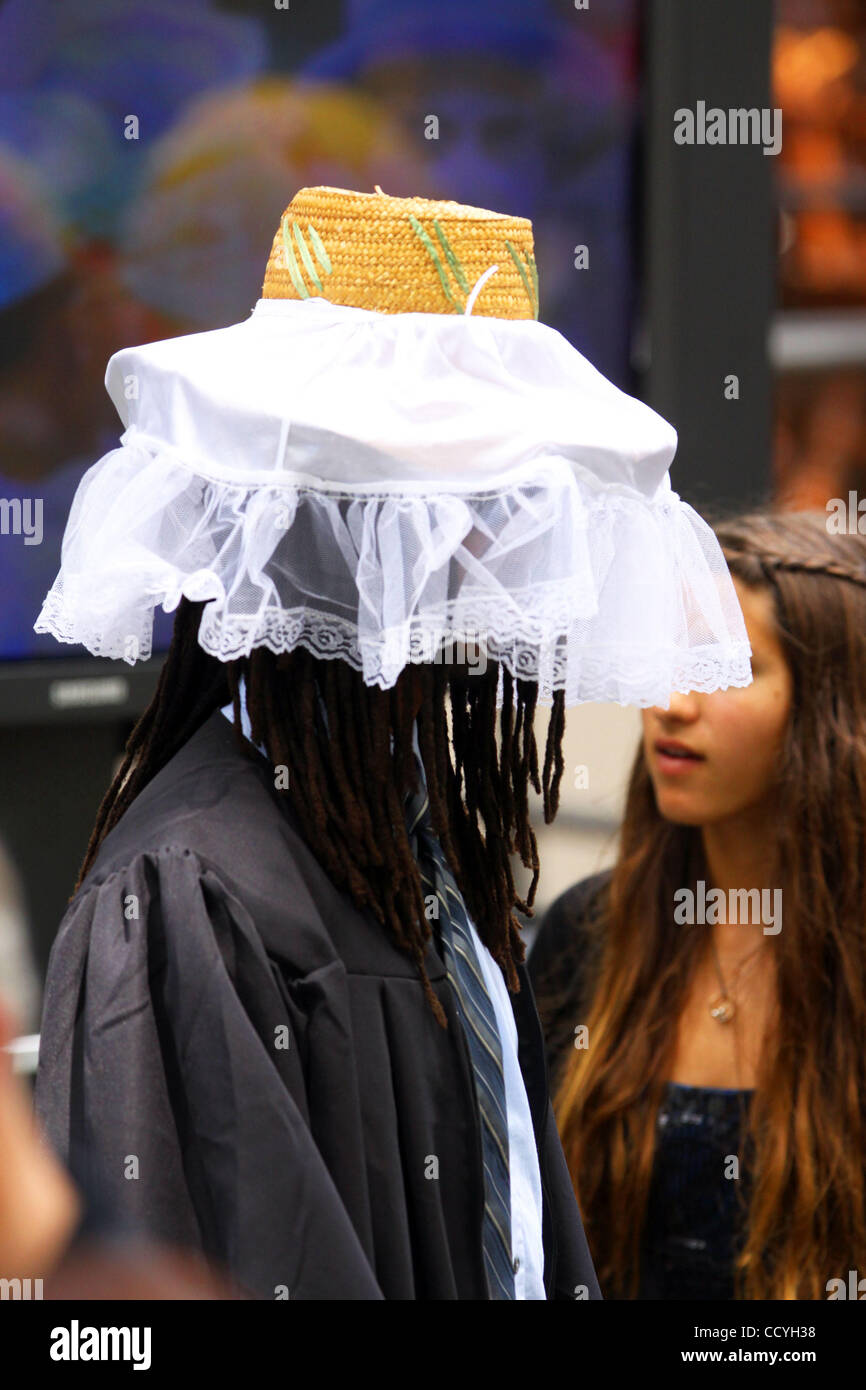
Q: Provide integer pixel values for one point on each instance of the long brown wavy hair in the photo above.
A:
(805, 1139)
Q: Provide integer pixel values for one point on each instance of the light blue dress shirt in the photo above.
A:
(526, 1208)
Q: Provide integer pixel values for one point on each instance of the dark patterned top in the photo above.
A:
(693, 1224)
(693, 1211)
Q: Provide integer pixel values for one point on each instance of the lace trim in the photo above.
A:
(591, 673)
(556, 592)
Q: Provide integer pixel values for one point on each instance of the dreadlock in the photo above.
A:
(348, 747)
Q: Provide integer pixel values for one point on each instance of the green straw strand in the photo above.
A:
(306, 257)
(319, 248)
(518, 262)
(456, 267)
(534, 268)
(294, 269)
(434, 256)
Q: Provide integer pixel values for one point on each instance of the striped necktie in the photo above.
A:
(479, 1024)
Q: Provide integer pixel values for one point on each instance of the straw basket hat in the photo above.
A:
(403, 256)
(392, 452)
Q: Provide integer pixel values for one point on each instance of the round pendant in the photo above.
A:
(722, 1009)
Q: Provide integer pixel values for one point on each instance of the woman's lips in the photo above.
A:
(674, 758)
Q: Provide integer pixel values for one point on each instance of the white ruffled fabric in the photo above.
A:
(373, 486)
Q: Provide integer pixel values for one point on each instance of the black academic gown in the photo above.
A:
(250, 1065)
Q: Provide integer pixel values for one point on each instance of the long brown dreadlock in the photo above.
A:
(348, 782)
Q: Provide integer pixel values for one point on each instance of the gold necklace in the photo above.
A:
(722, 1007)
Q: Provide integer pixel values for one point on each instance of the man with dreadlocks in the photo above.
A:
(287, 1018)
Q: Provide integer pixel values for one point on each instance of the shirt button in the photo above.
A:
(516, 1265)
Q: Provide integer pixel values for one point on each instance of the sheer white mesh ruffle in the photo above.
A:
(602, 594)
(373, 487)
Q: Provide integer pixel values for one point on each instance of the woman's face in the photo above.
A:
(735, 736)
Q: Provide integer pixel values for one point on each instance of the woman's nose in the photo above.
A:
(684, 707)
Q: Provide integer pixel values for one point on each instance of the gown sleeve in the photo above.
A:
(169, 1070)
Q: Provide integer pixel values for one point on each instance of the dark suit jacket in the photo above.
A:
(248, 1065)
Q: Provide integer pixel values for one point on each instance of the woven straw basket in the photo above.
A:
(402, 255)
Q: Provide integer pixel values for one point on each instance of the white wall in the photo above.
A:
(602, 739)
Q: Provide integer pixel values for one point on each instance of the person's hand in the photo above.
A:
(39, 1204)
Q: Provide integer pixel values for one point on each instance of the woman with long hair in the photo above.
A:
(707, 1041)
